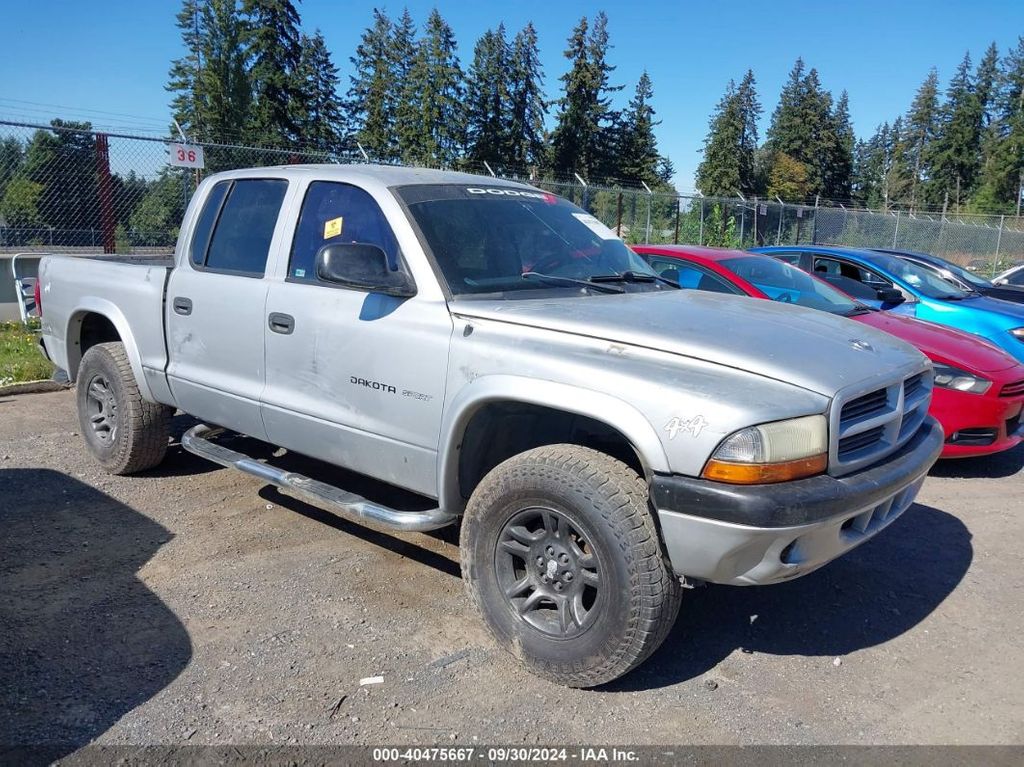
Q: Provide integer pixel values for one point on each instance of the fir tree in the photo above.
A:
(184, 73)
(527, 108)
(585, 122)
(637, 146)
(320, 119)
(839, 141)
(1003, 172)
(224, 87)
(488, 108)
(434, 91)
(922, 124)
(273, 40)
(729, 166)
(370, 107)
(955, 152)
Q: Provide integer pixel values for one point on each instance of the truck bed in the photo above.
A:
(127, 290)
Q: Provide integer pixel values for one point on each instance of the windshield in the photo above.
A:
(785, 283)
(965, 276)
(484, 239)
(922, 280)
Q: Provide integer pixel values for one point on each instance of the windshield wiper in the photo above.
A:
(571, 281)
(631, 276)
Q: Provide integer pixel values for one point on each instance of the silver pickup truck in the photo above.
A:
(603, 437)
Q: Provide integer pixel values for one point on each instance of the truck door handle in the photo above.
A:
(182, 306)
(281, 323)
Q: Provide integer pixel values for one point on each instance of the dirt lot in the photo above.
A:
(193, 604)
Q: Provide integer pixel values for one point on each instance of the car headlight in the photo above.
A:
(949, 377)
(772, 452)
(1018, 333)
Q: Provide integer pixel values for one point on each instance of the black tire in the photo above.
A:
(124, 432)
(560, 511)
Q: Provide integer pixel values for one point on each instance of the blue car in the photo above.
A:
(887, 282)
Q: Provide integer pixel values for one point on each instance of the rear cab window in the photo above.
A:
(236, 226)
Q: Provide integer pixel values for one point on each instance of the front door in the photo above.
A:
(355, 378)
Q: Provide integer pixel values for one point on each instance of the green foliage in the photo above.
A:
(273, 40)
(488, 99)
(63, 164)
(20, 359)
(19, 205)
(729, 166)
(637, 155)
(789, 179)
(319, 115)
(585, 124)
(373, 98)
(527, 107)
(954, 155)
(156, 220)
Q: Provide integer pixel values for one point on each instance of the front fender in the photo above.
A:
(613, 411)
(110, 310)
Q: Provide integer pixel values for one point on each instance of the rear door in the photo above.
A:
(216, 304)
(354, 377)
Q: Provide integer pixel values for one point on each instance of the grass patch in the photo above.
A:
(20, 360)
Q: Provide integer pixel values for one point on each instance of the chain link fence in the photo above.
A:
(63, 189)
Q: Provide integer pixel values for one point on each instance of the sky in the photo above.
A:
(107, 62)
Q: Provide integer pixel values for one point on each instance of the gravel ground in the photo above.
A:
(194, 604)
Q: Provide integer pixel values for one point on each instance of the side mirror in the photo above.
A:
(890, 296)
(1000, 282)
(364, 267)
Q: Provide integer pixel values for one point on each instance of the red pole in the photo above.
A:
(106, 193)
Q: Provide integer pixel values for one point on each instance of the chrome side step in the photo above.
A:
(352, 507)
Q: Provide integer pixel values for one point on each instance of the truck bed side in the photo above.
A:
(90, 300)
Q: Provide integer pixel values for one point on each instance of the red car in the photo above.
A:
(979, 389)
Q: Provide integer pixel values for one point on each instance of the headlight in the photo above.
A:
(949, 377)
(1018, 333)
(771, 452)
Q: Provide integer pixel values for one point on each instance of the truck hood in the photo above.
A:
(809, 348)
(964, 350)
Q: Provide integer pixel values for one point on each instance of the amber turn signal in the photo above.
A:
(764, 473)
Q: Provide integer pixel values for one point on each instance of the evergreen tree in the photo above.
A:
(922, 125)
(184, 73)
(402, 57)
(527, 108)
(273, 39)
(487, 98)
(876, 177)
(580, 142)
(956, 150)
(319, 118)
(729, 166)
(370, 108)
(1003, 171)
(839, 141)
(637, 147)
(224, 91)
(434, 91)
(803, 131)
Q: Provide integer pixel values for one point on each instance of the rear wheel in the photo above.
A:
(124, 432)
(562, 559)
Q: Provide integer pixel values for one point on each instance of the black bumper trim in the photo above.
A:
(802, 501)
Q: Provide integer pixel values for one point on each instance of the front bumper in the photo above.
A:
(978, 424)
(760, 534)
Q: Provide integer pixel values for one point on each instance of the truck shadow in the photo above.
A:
(83, 640)
(873, 594)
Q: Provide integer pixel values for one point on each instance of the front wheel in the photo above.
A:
(124, 432)
(562, 559)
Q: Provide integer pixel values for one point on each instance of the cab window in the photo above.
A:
(334, 213)
(850, 278)
(241, 237)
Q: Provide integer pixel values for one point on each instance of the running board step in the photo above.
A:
(352, 507)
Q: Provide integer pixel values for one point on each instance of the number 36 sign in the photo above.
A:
(185, 155)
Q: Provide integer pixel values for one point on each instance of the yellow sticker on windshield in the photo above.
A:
(332, 228)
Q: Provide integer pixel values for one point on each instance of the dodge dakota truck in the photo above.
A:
(603, 438)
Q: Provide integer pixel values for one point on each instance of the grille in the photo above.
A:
(867, 426)
(868, 405)
(912, 386)
(849, 445)
(1012, 389)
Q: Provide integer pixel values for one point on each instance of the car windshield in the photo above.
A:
(782, 282)
(922, 280)
(485, 239)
